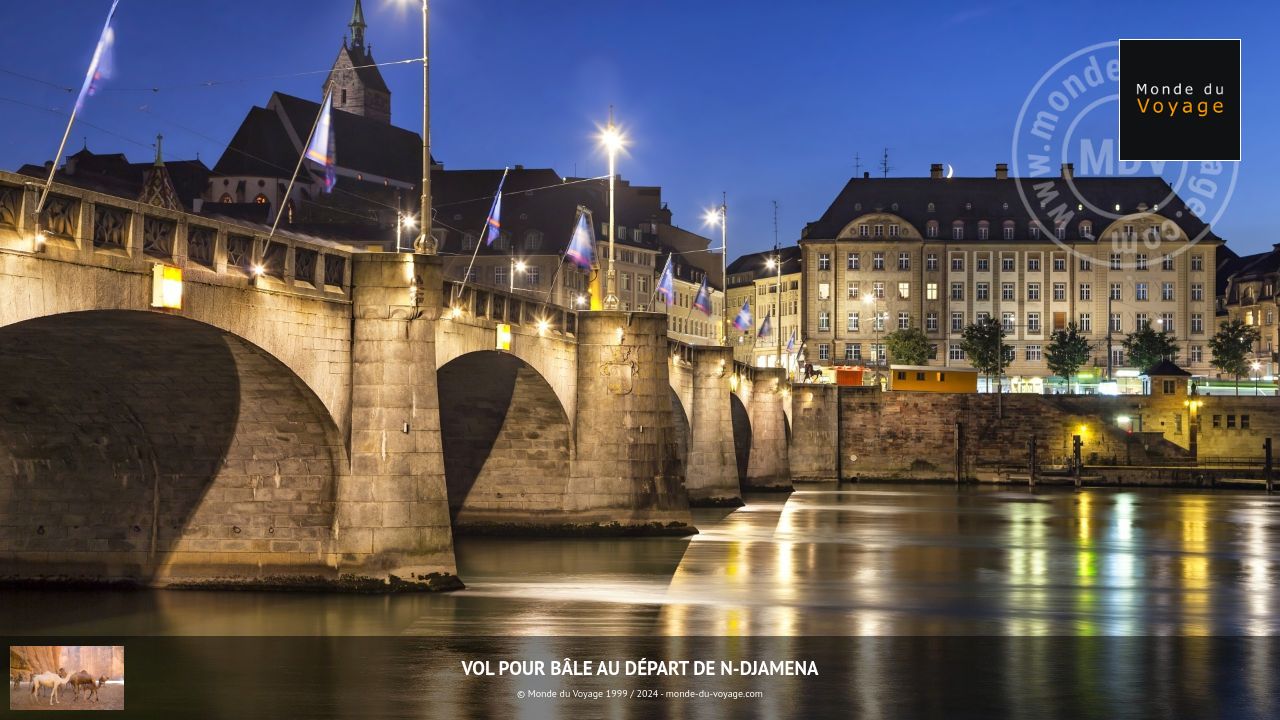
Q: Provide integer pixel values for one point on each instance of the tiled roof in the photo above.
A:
(263, 147)
(113, 174)
(756, 264)
(973, 199)
(538, 200)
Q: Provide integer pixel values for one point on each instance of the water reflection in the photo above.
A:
(827, 560)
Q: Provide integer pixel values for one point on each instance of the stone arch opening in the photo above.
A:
(149, 447)
(507, 441)
(680, 429)
(741, 436)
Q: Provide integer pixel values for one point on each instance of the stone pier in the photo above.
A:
(711, 473)
(626, 474)
(768, 467)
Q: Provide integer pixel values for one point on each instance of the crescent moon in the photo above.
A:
(950, 171)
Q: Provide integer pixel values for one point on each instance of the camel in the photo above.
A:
(83, 680)
(49, 680)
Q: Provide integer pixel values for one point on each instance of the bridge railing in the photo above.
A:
(487, 303)
(93, 228)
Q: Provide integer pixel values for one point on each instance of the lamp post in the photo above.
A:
(516, 266)
(720, 216)
(406, 222)
(611, 138)
(775, 263)
(870, 299)
(1257, 367)
(426, 137)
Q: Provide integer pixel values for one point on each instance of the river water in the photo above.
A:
(1150, 569)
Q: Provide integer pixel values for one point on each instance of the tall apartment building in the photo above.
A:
(753, 280)
(940, 253)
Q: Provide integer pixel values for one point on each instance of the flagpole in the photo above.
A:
(467, 275)
(301, 156)
(75, 110)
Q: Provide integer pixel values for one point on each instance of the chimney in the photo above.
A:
(1002, 171)
(935, 171)
(1068, 170)
(866, 174)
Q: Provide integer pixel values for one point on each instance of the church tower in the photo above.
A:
(357, 84)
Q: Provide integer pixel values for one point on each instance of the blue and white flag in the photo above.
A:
(743, 321)
(702, 301)
(493, 225)
(666, 284)
(766, 327)
(320, 149)
(100, 65)
(582, 248)
(791, 341)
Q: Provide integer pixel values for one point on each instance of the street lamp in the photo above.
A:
(613, 140)
(775, 263)
(870, 299)
(720, 216)
(1257, 367)
(407, 222)
(517, 266)
(422, 244)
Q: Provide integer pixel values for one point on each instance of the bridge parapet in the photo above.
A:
(92, 228)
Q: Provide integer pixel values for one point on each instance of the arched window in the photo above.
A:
(226, 198)
(261, 199)
(1086, 229)
(931, 207)
(984, 230)
(931, 227)
(1007, 229)
(957, 230)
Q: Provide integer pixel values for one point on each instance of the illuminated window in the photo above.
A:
(261, 199)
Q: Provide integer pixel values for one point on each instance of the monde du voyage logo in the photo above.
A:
(1180, 100)
(1177, 103)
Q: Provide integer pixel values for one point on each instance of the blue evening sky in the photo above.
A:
(763, 100)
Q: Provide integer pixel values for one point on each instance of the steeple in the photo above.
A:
(357, 26)
(157, 186)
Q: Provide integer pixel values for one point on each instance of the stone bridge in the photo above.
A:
(316, 414)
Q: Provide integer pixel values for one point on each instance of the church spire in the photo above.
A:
(357, 26)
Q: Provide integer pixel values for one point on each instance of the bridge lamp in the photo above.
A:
(503, 341)
(39, 239)
(543, 326)
(166, 287)
(580, 301)
(410, 222)
(613, 141)
(258, 270)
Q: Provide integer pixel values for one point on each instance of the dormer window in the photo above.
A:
(931, 227)
(984, 230)
(957, 230)
(1086, 229)
(931, 207)
(1007, 230)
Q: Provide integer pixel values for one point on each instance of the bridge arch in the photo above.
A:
(145, 446)
(507, 440)
(741, 435)
(309, 334)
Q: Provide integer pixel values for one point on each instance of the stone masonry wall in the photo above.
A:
(711, 473)
(625, 470)
(138, 446)
(506, 441)
(768, 468)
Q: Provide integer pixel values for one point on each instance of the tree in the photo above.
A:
(983, 344)
(1147, 347)
(1231, 346)
(907, 347)
(1066, 352)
